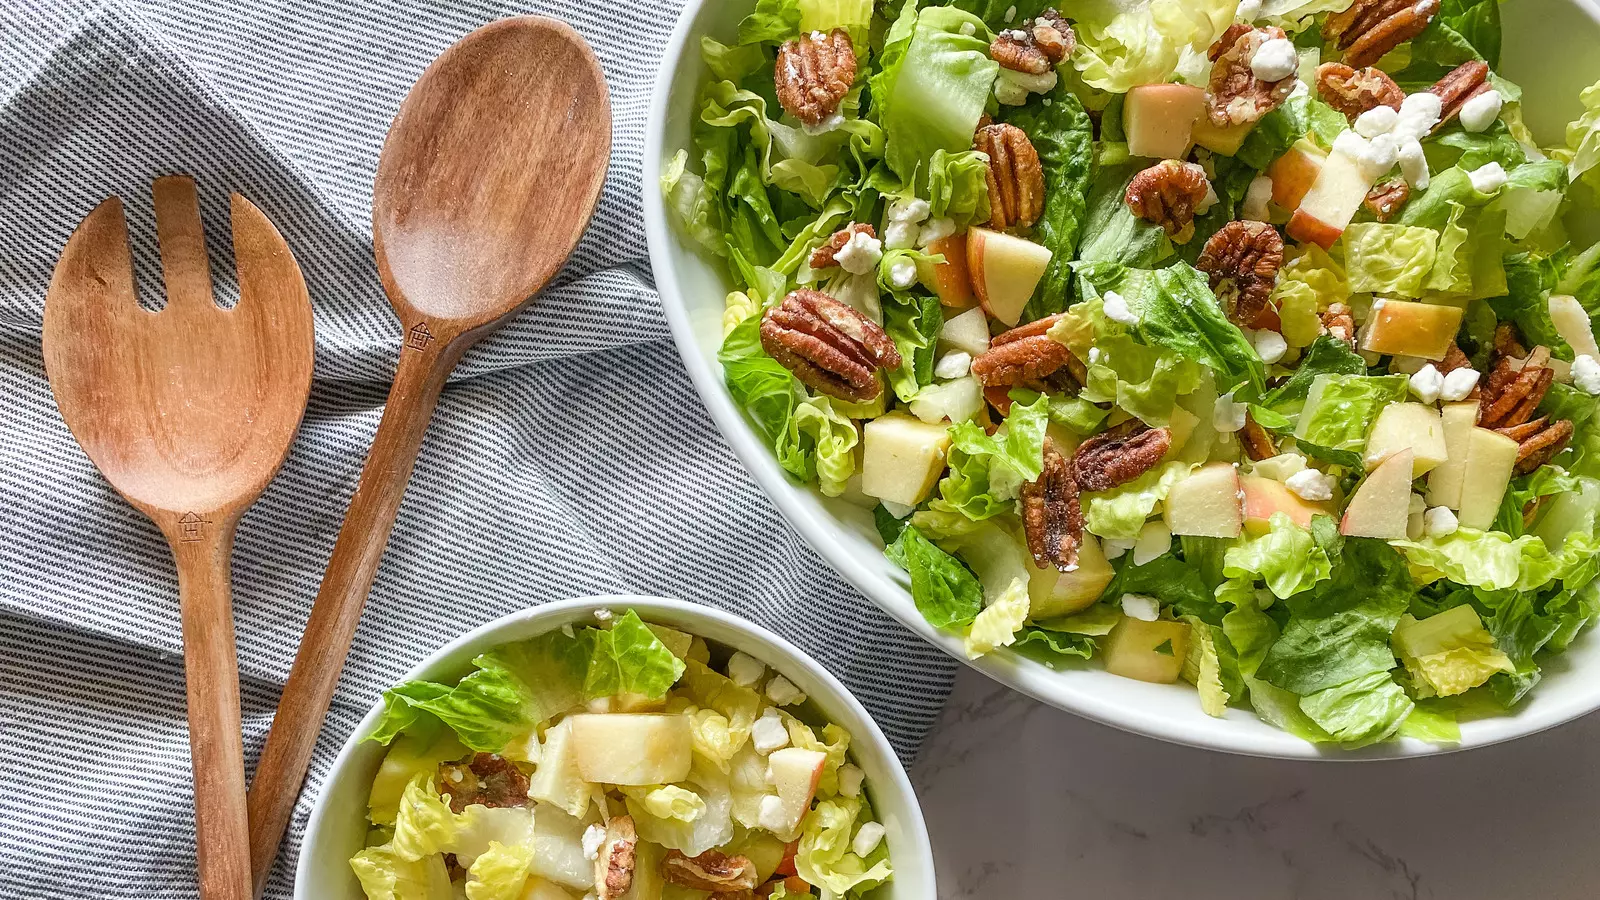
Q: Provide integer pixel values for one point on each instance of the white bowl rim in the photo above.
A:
(892, 596)
(646, 605)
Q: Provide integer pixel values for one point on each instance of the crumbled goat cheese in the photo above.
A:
(593, 837)
(1228, 416)
(782, 691)
(1138, 606)
(1208, 201)
(1414, 164)
(936, 229)
(1487, 178)
(1256, 198)
(602, 615)
(1115, 547)
(1479, 112)
(850, 779)
(955, 364)
(768, 733)
(1310, 484)
(868, 836)
(1249, 10)
(1012, 87)
(1586, 374)
(902, 274)
(745, 670)
(1270, 345)
(860, 254)
(898, 510)
(1419, 112)
(818, 36)
(1426, 383)
(1458, 384)
(1439, 521)
(1016, 34)
(904, 229)
(770, 815)
(1377, 120)
(1275, 60)
(1116, 309)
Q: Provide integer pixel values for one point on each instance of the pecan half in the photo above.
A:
(1167, 194)
(710, 871)
(1035, 47)
(827, 345)
(1338, 323)
(1354, 91)
(1257, 441)
(1539, 446)
(1235, 96)
(1386, 198)
(1369, 29)
(1119, 455)
(488, 779)
(1461, 84)
(822, 257)
(1512, 394)
(613, 868)
(1016, 178)
(1024, 353)
(813, 74)
(1052, 518)
(1242, 259)
(1508, 342)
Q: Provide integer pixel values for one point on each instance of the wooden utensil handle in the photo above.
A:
(337, 610)
(211, 679)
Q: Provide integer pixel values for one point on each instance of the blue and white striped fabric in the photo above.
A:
(570, 457)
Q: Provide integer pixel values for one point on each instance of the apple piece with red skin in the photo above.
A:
(1295, 172)
(1331, 203)
(1264, 496)
(1207, 503)
(1159, 119)
(1408, 328)
(1382, 503)
(794, 773)
(949, 280)
(786, 865)
(1004, 269)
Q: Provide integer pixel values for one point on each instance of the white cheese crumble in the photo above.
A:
(1487, 178)
(1115, 547)
(1439, 522)
(1249, 10)
(1426, 382)
(935, 229)
(1458, 384)
(593, 837)
(1479, 112)
(1419, 112)
(1275, 60)
(902, 274)
(768, 733)
(850, 779)
(1016, 34)
(1256, 198)
(955, 364)
(1310, 484)
(1208, 201)
(1012, 87)
(770, 814)
(1414, 164)
(860, 254)
(903, 229)
(868, 836)
(1269, 344)
(745, 670)
(1138, 606)
(782, 691)
(1116, 309)
(1586, 374)
(602, 615)
(1228, 416)
(1377, 120)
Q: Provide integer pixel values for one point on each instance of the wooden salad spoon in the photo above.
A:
(188, 412)
(487, 179)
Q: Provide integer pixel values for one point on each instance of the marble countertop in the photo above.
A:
(1026, 801)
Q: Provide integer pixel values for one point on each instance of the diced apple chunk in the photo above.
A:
(1381, 504)
(1408, 328)
(949, 280)
(1053, 593)
(1408, 426)
(632, 748)
(1159, 119)
(794, 773)
(952, 401)
(1444, 483)
(1207, 503)
(1295, 172)
(556, 779)
(1331, 202)
(967, 332)
(1004, 270)
(902, 458)
(1490, 459)
(1147, 651)
(1264, 497)
(1223, 141)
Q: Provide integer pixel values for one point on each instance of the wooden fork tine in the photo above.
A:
(184, 265)
(93, 280)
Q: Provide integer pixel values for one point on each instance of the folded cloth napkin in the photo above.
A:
(571, 455)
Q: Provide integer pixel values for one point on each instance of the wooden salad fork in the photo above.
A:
(188, 412)
(486, 182)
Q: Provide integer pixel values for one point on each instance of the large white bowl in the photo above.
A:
(338, 827)
(1550, 50)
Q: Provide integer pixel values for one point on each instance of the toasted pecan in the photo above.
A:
(488, 779)
(1386, 198)
(1118, 455)
(711, 871)
(1234, 95)
(1015, 176)
(813, 73)
(1355, 91)
(1459, 85)
(1242, 260)
(823, 256)
(1052, 518)
(829, 346)
(1168, 194)
(1369, 29)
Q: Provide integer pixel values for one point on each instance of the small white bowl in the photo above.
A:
(338, 825)
(1549, 51)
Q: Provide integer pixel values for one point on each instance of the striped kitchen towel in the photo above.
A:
(569, 457)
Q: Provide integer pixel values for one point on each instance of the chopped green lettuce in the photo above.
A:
(824, 858)
(1063, 136)
(1285, 557)
(1361, 711)
(1145, 381)
(1448, 653)
(932, 87)
(1123, 44)
(986, 470)
(384, 875)
(1582, 152)
(944, 590)
(1339, 409)
(499, 873)
(1120, 512)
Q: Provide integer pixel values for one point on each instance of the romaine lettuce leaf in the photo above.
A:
(1389, 259)
(986, 470)
(1448, 653)
(1146, 381)
(932, 87)
(1309, 280)
(628, 658)
(384, 875)
(945, 592)
(1202, 667)
(958, 187)
(1285, 557)
(1112, 233)
(1582, 152)
(1053, 648)
(823, 857)
(1494, 561)
(914, 323)
(1120, 512)
(1063, 136)
(997, 625)
(424, 825)
(1122, 44)
(833, 436)
(1361, 711)
(727, 711)
(1340, 409)
(1326, 356)
(499, 873)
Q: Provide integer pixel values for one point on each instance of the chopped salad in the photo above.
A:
(621, 761)
(1238, 343)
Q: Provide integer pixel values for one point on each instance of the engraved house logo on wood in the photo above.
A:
(192, 527)
(419, 337)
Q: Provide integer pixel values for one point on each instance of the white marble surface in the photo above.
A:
(1025, 801)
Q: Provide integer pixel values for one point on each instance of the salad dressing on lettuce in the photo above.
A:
(1246, 346)
(623, 761)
